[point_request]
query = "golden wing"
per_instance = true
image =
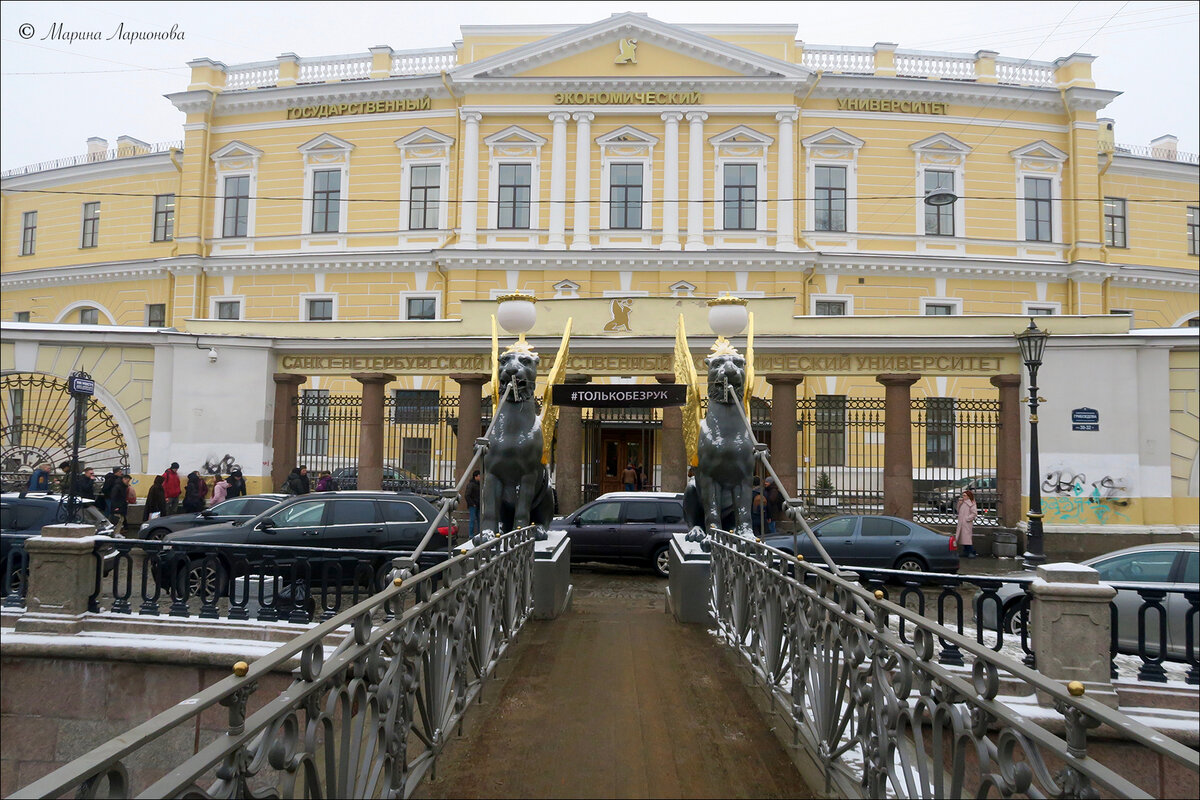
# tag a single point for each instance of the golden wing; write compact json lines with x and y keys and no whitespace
{"x":685,"y":373}
{"x":495,"y":366}
{"x":748,"y":384}
{"x":550,"y":411}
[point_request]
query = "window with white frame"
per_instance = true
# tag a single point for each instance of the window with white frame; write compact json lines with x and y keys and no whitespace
{"x":626,"y":178}
{"x":29,"y":233}
{"x":1039,"y":192}
{"x":326,"y":201}
{"x":939,"y":219}
{"x":91,"y":225}
{"x":625,"y":196}
{"x":89,"y":316}
{"x":318,"y":309}
{"x":741,"y":179}
{"x":829,"y":308}
{"x":831,"y":181}
{"x":419,"y":305}
{"x":156,"y":315}
{"x":1193,"y":230}
{"x":236,"y":176}
{"x":1115,"y":228}
{"x":830,"y":198}
{"x":20,"y":316}
{"x":1040,"y":309}
{"x":514,"y":178}
{"x":939,"y":310}
{"x":941,"y":162}
{"x":423,"y":197}
{"x":227,"y":309}
{"x":740,"y":197}
{"x":237,"y":206}
{"x":326,"y":181}
{"x":425,"y":160}
{"x":941,"y":306}
{"x":164,"y":217}
{"x":514,"y":195}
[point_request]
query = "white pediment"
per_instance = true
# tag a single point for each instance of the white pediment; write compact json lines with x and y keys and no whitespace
{"x":514,"y":135}
{"x":742,"y":135}
{"x":326,"y":142}
{"x":626,"y":26}
{"x":833,"y":138}
{"x":626,"y":134}
{"x":1041,"y":150}
{"x":940,"y":143}
{"x":424,"y":137}
{"x":237,"y":151}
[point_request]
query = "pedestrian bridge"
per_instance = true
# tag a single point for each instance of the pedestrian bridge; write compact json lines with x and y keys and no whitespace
{"x":804,"y":684}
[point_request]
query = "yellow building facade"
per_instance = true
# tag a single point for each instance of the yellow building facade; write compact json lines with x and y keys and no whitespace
{"x":376,"y":204}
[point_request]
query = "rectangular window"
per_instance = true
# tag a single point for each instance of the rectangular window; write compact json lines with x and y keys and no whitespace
{"x":416,"y":405}
{"x":423,"y":198}
{"x":229,"y":309}
{"x":1037,"y":210}
{"x":831,"y":430}
{"x":237,"y":206}
{"x":89,"y":316}
{"x":416,"y":455}
{"x":741,"y":197}
{"x":625,"y":196}
{"x":16,"y":416}
{"x":327,"y":198}
{"x":314,"y":422}
{"x":21,"y":316}
{"x":28,"y":233}
{"x":1039,"y":311}
{"x":421,"y":308}
{"x":939,"y":220}
{"x":320,"y":310}
{"x":515,"y":183}
{"x":831,"y":308}
{"x":1193,"y":230}
{"x":939,"y":431}
{"x":939,"y":310}
{"x":1114,"y":222}
{"x":91,"y":225}
{"x":164,"y":217}
{"x":156,"y":315}
{"x":830,"y":198}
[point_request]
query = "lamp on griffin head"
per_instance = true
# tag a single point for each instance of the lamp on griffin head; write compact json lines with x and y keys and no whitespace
{"x":516,"y":313}
{"x":727,"y":316}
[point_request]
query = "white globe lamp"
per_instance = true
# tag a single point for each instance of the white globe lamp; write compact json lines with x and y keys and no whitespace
{"x":727,"y":316}
{"x":517,"y":313}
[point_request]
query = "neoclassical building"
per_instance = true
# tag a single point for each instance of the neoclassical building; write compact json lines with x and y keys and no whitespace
{"x":330,"y":235}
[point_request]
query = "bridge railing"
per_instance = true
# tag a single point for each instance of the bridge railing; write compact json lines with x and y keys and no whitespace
{"x":856,"y":676}
{"x":379,"y":690}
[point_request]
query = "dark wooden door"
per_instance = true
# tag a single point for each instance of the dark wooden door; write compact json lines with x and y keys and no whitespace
{"x":618,"y":449}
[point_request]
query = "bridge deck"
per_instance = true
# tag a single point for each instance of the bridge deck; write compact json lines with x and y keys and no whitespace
{"x":615,"y":699}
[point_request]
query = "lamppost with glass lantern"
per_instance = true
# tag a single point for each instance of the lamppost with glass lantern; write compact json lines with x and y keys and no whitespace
{"x":1032,"y":342}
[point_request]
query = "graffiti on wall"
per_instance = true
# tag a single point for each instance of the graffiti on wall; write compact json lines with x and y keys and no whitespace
{"x":220,"y":466}
{"x":1068,"y":498}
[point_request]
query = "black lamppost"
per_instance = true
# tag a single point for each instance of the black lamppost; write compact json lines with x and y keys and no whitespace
{"x":1032,"y":342}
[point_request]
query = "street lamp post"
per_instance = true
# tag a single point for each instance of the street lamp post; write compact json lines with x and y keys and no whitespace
{"x":81,"y":387}
{"x":1032,"y":342}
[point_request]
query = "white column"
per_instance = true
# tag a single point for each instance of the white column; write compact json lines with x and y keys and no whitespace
{"x":558,"y":180}
{"x":785,"y":186}
{"x":695,"y":223}
{"x":670,"y":221}
{"x":582,"y":239}
{"x":468,"y":217}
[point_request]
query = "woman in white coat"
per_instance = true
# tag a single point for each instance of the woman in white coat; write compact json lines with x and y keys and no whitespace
{"x":967,"y":511}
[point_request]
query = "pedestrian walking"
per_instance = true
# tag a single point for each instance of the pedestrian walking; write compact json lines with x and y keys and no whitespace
{"x":39,"y":481}
{"x":297,"y":481}
{"x":194,"y":493}
{"x":774,"y":498}
{"x":629,"y":477}
{"x":237,"y":485}
{"x":325,"y":482}
{"x":220,"y":490}
{"x":156,"y":499}
{"x":171,"y":488}
{"x":967,"y":512}
{"x":471,"y":495}
{"x":113,"y":477}
{"x":118,"y":502}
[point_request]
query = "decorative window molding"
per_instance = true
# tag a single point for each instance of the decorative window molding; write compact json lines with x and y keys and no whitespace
{"x":941,"y":153}
{"x":326,"y":152}
{"x":831,"y":147}
{"x":954,"y":303}
{"x":233,"y":160}
{"x":215,"y":302}
{"x":627,"y":145}
{"x":740,"y":145}
{"x":424,"y":147}
{"x":566,"y":290}
{"x":406,"y":296}
{"x":1036,"y":307}
{"x":515,"y":145}
{"x":1040,"y":160}
{"x":682,"y":289}
{"x":847,"y":299}
{"x":307,"y":297}
{"x":78,"y":304}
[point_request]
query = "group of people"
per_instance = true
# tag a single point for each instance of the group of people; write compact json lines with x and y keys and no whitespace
{"x":298,"y":482}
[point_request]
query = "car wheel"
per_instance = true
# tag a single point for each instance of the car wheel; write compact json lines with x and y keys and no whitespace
{"x":206,"y":579}
{"x":910,"y":564}
{"x":662,"y":562}
{"x":157,"y":534}
{"x":1015,"y":618}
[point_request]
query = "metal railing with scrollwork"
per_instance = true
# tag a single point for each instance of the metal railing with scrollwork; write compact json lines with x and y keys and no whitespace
{"x":363,"y":717}
{"x":880,"y":714}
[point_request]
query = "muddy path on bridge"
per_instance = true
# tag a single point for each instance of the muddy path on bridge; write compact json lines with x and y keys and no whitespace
{"x":616,"y":699}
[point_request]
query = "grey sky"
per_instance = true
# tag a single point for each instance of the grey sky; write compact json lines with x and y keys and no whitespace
{"x":58,"y":93}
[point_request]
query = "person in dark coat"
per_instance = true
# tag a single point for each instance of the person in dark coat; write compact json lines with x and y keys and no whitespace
{"x":113,"y":476}
{"x":297,"y":481}
{"x":194,"y":493}
{"x":118,"y":502}
{"x":237,"y":485}
{"x":156,"y":498}
{"x":471,"y":497}
{"x":85,"y":484}
{"x":325,"y":482}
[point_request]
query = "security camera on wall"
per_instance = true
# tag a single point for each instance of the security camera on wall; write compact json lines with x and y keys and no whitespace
{"x":212,"y":355}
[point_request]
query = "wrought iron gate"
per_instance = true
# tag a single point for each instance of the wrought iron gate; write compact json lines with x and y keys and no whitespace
{"x":38,"y":422}
{"x":954,"y":445}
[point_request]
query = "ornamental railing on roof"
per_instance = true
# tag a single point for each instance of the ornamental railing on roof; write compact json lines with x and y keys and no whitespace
{"x":918,"y":64}
{"x":1023,"y":72}
{"x":121,"y":151}
{"x":351,"y":67}
{"x":334,"y":68}
{"x":423,"y":62}
{"x":925,"y":64}
{"x":852,"y":60}
{"x":1164,"y":153}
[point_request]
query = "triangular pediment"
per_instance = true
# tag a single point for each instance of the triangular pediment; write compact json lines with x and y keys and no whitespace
{"x":832,"y":137}
{"x":1041,"y":150}
{"x":424,"y":137}
{"x":514,"y":134}
{"x":940,"y":143}
{"x":741,"y":134}
{"x":237,"y":149}
{"x":630,"y":46}
{"x":626,"y":134}
{"x":325,"y":142}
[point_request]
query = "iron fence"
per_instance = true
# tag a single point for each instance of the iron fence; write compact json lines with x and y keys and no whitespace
{"x":861,"y":689}
{"x":954,"y":446}
{"x":370,"y":708}
{"x":841,"y":454}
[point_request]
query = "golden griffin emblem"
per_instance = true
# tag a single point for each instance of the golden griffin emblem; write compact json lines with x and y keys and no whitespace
{"x":621,"y":308}
{"x":627,"y":51}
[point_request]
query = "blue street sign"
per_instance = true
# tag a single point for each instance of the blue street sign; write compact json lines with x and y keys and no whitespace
{"x":1085,"y":419}
{"x":81,"y":385}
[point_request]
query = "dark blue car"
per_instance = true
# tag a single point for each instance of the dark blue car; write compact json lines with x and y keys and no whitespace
{"x":876,"y":541}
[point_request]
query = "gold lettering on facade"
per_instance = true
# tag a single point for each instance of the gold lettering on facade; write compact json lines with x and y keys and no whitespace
{"x":892,"y":106}
{"x":628,"y":98}
{"x":374,"y":107}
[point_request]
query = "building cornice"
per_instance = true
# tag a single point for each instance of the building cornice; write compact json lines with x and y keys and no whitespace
{"x":872,"y":87}
{"x":123,"y":167}
{"x":283,"y":98}
{"x":1142,"y":167}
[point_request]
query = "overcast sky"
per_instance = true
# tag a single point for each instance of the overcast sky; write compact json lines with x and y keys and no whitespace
{"x":57,"y":93}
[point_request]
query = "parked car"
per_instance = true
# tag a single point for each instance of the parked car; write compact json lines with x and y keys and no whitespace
{"x":984,"y":486}
{"x":876,"y":541}
{"x":625,"y":528}
{"x":349,"y":520}
{"x":394,"y":480}
{"x":23,"y":515}
{"x":1158,"y":566}
{"x":229,"y":512}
